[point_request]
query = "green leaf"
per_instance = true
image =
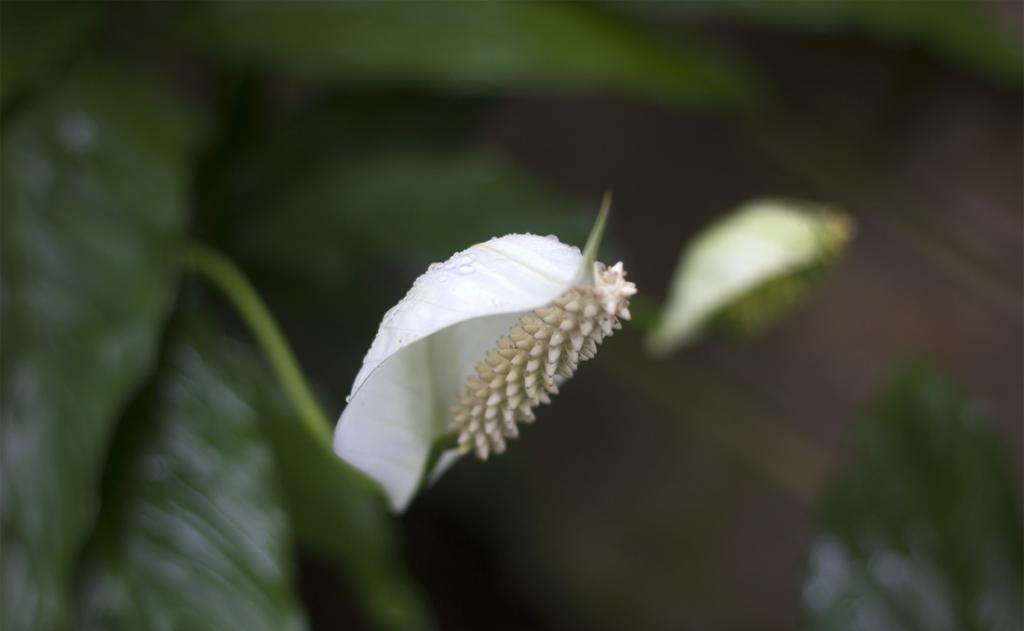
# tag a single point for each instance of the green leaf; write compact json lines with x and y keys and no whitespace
{"x":747,"y":269}
{"x":923,"y":530}
{"x":963,"y":32}
{"x":37,"y":38}
{"x":344,"y":216}
{"x":342,"y":514}
{"x":94,"y":196}
{"x":333,"y":508}
{"x":193,"y":534}
{"x":467,"y":47}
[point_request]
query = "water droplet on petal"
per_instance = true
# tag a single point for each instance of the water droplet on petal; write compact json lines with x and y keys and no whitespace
{"x":433,"y":266}
{"x":348,"y":398}
{"x":443,"y":278}
{"x":465,"y":269}
{"x":551,"y":237}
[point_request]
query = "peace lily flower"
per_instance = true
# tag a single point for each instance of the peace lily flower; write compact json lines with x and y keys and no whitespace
{"x":474,"y":347}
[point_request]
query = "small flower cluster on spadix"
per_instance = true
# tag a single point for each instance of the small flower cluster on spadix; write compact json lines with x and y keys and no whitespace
{"x":472,"y":349}
{"x":519,"y":373}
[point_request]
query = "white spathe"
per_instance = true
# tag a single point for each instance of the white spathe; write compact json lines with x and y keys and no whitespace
{"x":427,"y":346}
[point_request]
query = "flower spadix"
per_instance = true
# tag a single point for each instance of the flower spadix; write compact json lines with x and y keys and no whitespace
{"x":474,"y":347}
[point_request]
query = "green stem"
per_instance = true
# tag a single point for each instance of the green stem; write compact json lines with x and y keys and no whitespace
{"x":584,"y":277}
{"x":219,"y":270}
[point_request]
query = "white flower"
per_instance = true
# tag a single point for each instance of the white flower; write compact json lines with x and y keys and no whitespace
{"x":473,"y":347}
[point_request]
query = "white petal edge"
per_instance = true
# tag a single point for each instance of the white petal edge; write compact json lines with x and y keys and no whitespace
{"x":427,"y":346}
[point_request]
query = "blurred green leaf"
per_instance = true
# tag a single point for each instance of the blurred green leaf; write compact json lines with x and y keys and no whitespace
{"x":413,"y":205}
{"x":923,"y":531}
{"x":747,"y":269}
{"x":192,"y":534}
{"x":94,"y":197}
{"x":324,"y":212}
{"x":467,"y":47}
{"x":333,"y":508}
{"x":36,"y":38}
{"x":964,"y":32}
{"x":340,"y":513}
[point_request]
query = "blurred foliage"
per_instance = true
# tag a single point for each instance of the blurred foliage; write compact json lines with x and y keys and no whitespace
{"x":192,"y":535}
{"x":94,"y":200}
{"x":336,"y":511}
{"x":959,"y":31}
{"x":39,"y":38}
{"x":353,"y":210}
{"x":468,"y":48}
{"x":316,"y":208}
{"x":924,"y":530}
